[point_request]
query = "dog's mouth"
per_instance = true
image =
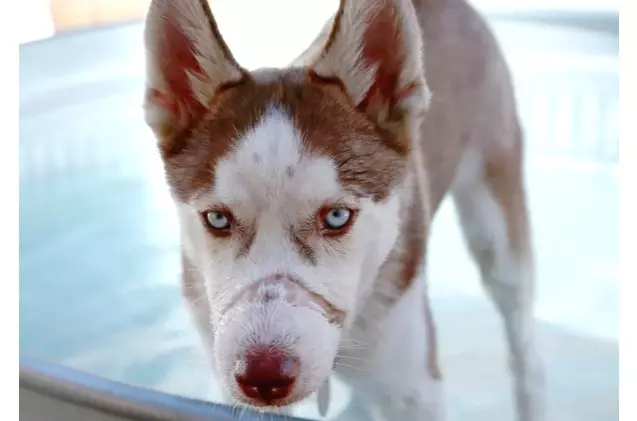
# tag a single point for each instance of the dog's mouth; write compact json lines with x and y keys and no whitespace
{"x":334,"y":315}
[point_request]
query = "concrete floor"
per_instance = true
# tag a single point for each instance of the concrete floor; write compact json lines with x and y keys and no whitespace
{"x":98,"y":239}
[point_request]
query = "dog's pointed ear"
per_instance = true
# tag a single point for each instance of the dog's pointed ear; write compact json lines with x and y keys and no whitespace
{"x":375,"y":51}
{"x":187,"y":60}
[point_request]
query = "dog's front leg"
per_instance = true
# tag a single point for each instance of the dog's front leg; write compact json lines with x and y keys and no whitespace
{"x":396,"y":378}
{"x":421,"y":402}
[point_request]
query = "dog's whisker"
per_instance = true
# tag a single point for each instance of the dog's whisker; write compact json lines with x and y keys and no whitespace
{"x":351,"y":358}
{"x":199,"y":299}
{"x":347,"y":351}
{"x":243,"y":411}
{"x":339,"y":364}
{"x":351,"y":348}
{"x":352,"y":341}
{"x":348,"y":346}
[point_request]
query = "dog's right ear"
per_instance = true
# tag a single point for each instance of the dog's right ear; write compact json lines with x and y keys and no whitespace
{"x":187,"y":61}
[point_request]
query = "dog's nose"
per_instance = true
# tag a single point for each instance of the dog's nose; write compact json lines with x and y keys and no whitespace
{"x":266,"y":374}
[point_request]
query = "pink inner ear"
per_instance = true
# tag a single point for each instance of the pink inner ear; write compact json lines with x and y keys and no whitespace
{"x":177,"y":57}
{"x":164,"y":100}
{"x":383,"y":48}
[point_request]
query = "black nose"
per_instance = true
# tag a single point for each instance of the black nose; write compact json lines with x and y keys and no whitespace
{"x":266,"y":374}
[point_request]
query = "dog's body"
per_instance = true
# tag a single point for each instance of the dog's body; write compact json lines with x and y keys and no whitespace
{"x":306,"y":195}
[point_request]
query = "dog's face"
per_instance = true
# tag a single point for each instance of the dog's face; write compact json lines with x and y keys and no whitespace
{"x":287,"y":182}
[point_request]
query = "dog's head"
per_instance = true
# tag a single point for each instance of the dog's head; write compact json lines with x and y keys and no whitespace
{"x":287,"y":181}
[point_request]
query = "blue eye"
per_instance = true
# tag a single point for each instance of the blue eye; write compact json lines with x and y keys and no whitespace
{"x":337,"y":218}
{"x":218,"y":220}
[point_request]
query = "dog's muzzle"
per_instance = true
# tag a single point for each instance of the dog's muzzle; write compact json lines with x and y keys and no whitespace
{"x":266,"y":373}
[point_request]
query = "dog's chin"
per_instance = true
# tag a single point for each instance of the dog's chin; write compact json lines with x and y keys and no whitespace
{"x":302,"y":333}
{"x":282,"y":406}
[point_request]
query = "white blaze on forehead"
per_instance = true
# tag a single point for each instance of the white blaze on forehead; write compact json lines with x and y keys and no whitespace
{"x":269,"y":165}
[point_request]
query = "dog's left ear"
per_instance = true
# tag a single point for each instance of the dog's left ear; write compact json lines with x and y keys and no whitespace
{"x":375,"y":51}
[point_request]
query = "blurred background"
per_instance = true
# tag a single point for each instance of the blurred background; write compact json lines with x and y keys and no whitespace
{"x":99,"y":261}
